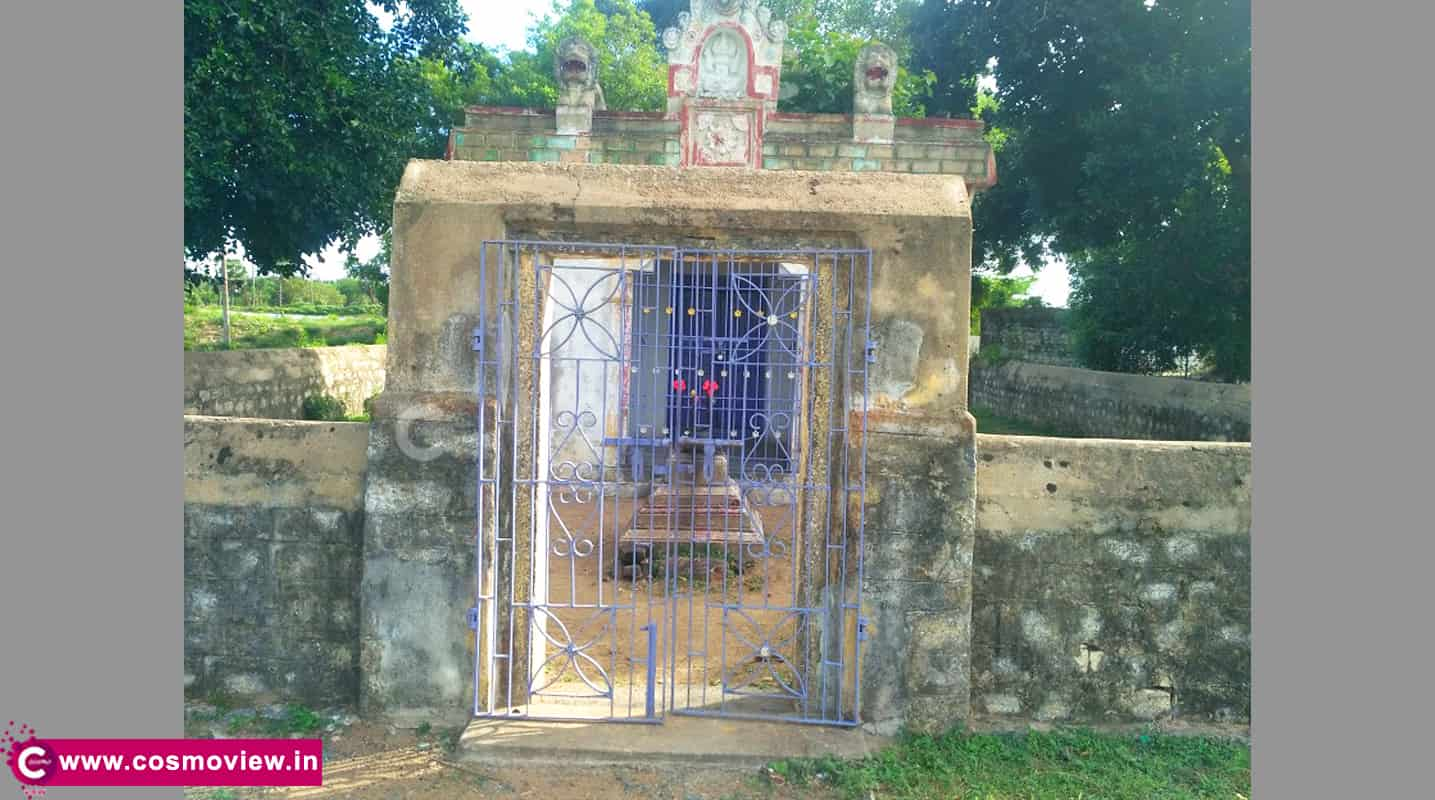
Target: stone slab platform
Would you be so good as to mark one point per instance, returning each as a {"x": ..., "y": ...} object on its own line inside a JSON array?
[{"x": 679, "y": 740}]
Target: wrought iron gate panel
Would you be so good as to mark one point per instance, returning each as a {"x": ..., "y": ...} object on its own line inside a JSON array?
[{"x": 670, "y": 482}]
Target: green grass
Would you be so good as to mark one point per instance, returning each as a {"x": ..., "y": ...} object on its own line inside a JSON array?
[
  {"x": 1038, "y": 766},
  {"x": 203, "y": 330},
  {"x": 296, "y": 719},
  {"x": 990, "y": 422}
]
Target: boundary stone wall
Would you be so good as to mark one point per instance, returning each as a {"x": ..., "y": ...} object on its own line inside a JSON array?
[
  {"x": 1112, "y": 404},
  {"x": 1112, "y": 580},
  {"x": 1034, "y": 335},
  {"x": 272, "y": 383},
  {"x": 273, "y": 540},
  {"x": 1105, "y": 580}
]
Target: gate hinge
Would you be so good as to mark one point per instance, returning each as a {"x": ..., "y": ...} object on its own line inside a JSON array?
[
  {"x": 477, "y": 340},
  {"x": 472, "y": 617},
  {"x": 862, "y": 623},
  {"x": 871, "y": 351}
]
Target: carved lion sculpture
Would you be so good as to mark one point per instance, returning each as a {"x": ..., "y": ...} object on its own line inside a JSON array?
[
  {"x": 874, "y": 79},
  {"x": 576, "y": 69}
]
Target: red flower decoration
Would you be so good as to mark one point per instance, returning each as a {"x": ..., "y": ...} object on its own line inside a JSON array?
[
  {"x": 710, "y": 388},
  {"x": 680, "y": 385}
]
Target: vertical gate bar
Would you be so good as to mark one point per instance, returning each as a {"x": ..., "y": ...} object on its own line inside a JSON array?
[
  {"x": 536, "y": 423},
  {"x": 844, "y": 478},
  {"x": 663, "y": 355},
  {"x": 652, "y": 669},
  {"x": 502, "y": 375},
  {"x": 517, "y": 480},
  {"x": 603, "y": 472},
  {"x": 831, "y": 631},
  {"x": 862, "y": 487},
  {"x": 478, "y": 497}
]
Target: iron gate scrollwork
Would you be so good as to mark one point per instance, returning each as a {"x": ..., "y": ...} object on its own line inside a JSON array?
[{"x": 671, "y": 480}]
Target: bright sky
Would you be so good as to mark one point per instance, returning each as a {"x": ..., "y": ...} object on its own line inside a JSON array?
[{"x": 504, "y": 24}]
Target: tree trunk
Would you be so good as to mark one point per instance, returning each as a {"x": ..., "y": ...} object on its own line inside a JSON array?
[{"x": 224, "y": 271}]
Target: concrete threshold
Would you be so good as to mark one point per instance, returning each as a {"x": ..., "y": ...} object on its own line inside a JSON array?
[{"x": 678, "y": 740}]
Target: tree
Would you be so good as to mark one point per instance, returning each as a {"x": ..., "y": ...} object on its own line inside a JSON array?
[
  {"x": 817, "y": 72},
  {"x": 1125, "y": 134},
  {"x": 374, "y": 273},
  {"x": 999, "y": 291},
  {"x": 632, "y": 71},
  {"x": 299, "y": 118},
  {"x": 869, "y": 19}
]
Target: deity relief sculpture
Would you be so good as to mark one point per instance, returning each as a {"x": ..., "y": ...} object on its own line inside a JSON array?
[
  {"x": 579, "y": 95},
  {"x": 722, "y": 69},
  {"x": 873, "y": 79}
]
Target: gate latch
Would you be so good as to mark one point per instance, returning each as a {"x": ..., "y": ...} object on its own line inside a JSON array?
[
  {"x": 871, "y": 351},
  {"x": 862, "y": 623},
  {"x": 478, "y": 340},
  {"x": 472, "y": 618}
]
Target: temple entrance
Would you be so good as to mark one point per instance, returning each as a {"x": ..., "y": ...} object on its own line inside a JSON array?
[{"x": 670, "y": 503}]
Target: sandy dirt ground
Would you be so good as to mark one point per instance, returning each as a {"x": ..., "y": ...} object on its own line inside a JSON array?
[{"x": 368, "y": 761}]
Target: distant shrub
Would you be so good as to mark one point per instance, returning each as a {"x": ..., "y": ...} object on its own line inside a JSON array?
[
  {"x": 991, "y": 355},
  {"x": 323, "y": 408}
]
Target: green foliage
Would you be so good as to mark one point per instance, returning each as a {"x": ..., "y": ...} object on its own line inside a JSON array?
[
  {"x": 1125, "y": 145},
  {"x": 253, "y": 330},
  {"x": 296, "y": 720},
  {"x": 373, "y": 275},
  {"x": 323, "y": 408},
  {"x": 631, "y": 70},
  {"x": 999, "y": 291},
  {"x": 817, "y": 72},
  {"x": 299, "y": 118},
  {"x": 1063, "y": 763},
  {"x": 989, "y": 421}
]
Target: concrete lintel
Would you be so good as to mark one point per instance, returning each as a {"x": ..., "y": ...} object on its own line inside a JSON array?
[{"x": 742, "y": 197}]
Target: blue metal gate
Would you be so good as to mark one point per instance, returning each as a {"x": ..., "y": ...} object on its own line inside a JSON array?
[{"x": 670, "y": 482}]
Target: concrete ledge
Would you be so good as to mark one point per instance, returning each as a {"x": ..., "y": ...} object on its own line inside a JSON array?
[
  {"x": 1032, "y": 483},
  {"x": 679, "y": 740},
  {"x": 271, "y": 463}
]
